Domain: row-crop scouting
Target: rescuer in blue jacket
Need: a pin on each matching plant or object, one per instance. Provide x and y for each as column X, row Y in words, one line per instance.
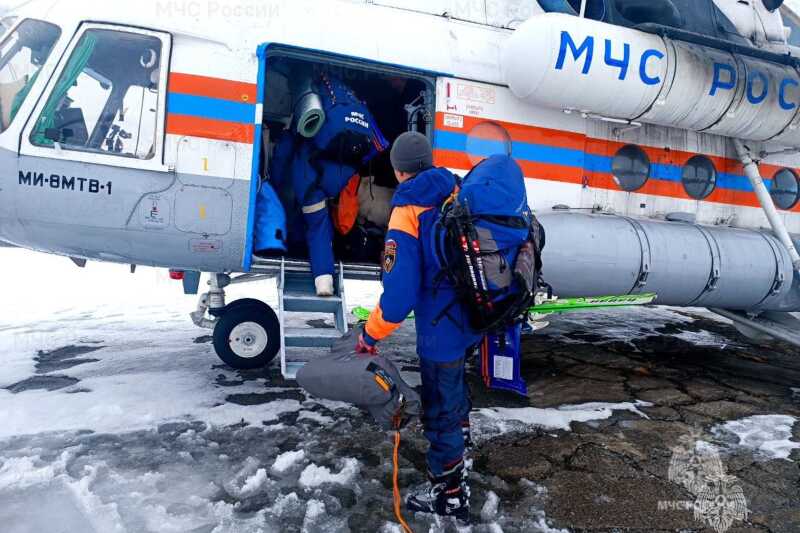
column 411, row 282
column 319, row 168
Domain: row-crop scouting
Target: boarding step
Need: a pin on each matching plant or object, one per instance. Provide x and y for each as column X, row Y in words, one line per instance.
column 300, row 302
column 297, row 294
column 310, row 337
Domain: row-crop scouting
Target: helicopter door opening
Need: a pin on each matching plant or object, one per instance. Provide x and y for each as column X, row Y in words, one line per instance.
column 398, row 100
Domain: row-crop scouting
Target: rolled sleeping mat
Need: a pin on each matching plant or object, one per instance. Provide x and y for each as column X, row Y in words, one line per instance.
column 309, row 114
column 368, row 382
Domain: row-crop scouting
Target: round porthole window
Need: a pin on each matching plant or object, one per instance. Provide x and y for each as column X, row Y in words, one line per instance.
column 699, row 177
column 785, row 190
column 487, row 139
column 631, row 168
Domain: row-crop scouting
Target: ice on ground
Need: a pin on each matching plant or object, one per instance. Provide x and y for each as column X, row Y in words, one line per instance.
column 254, row 482
column 620, row 325
column 541, row 525
column 702, row 338
column 769, row 436
column 490, row 508
column 314, row 475
column 315, row 509
column 315, row 417
column 562, row 417
column 18, row 473
column 287, row 460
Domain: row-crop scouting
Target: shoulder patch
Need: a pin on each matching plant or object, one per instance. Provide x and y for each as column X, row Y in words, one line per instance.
column 389, row 255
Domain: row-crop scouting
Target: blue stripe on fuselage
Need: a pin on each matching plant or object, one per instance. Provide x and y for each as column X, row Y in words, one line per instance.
column 211, row 108
column 538, row 153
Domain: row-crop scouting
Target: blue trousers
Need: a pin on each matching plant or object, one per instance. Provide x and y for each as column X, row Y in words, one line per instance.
column 445, row 410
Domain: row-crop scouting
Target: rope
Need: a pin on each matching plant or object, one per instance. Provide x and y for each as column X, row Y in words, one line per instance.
column 397, row 499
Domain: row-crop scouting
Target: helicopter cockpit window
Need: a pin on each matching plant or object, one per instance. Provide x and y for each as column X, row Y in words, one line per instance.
column 595, row 9
column 106, row 100
column 22, row 54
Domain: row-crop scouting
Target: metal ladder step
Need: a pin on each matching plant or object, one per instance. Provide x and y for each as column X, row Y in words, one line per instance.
column 310, row 337
column 297, row 302
column 296, row 294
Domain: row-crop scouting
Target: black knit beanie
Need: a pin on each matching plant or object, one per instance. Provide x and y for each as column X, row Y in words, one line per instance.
column 412, row 153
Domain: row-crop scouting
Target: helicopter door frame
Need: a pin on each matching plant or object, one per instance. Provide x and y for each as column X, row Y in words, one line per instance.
column 156, row 163
column 265, row 52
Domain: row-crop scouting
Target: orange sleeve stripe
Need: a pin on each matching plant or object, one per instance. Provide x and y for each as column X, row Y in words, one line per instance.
column 406, row 219
column 377, row 327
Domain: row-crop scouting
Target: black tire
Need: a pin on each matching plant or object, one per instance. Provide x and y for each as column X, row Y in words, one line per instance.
column 248, row 335
column 247, row 301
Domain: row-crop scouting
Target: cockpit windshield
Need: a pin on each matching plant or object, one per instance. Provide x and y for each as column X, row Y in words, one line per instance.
column 22, row 54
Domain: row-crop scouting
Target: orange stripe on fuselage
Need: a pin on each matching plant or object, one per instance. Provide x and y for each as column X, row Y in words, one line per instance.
column 210, row 129
column 602, row 147
column 235, row 91
column 521, row 132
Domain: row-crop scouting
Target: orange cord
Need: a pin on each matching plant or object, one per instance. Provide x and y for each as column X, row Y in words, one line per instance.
column 397, row 499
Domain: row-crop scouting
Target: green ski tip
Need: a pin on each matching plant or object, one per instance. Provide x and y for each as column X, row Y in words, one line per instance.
column 565, row 305
column 362, row 314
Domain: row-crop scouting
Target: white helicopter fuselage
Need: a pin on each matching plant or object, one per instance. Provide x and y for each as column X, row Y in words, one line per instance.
column 181, row 192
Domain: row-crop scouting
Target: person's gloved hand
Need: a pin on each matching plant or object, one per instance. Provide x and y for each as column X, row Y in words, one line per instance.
column 366, row 344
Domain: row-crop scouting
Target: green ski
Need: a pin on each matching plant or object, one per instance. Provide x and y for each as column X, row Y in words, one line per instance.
column 565, row 305
column 569, row 305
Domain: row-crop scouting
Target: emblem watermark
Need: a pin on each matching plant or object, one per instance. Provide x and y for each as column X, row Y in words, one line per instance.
column 225, row 9
column 719, row 499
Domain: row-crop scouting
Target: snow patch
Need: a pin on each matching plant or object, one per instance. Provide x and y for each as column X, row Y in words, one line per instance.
column 21, row 472
column 103, row 516
column 286, row 460
column 284, row 504
column 702, row 338
column 254, row 482
column 562, row 417
column 248, row 481
column 315, row 417
column 541, row 525
column 490, row 508
column 768, row 436
column 314, row 476
column 315, row 510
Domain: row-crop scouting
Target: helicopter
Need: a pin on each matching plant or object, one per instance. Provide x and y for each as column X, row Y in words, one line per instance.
column 659, row 140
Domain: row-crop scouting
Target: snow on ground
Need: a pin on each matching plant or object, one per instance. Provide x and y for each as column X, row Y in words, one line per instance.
column 117, row 416
column 561, row 418
column 315, row 476
column 149, row 378
column 770, row 436
column 287, row 460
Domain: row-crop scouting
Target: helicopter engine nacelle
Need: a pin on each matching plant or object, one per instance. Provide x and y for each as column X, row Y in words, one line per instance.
column 572, row 63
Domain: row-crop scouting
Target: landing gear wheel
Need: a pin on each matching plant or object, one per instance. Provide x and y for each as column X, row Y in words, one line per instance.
column 245, row 301
column 248, row 335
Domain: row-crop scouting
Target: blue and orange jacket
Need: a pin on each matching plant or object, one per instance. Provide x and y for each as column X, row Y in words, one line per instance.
column 411, row 273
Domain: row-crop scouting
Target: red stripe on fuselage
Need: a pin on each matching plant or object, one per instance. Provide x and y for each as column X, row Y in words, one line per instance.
column 235, row 91
column 602, row 147
column 210, row 129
